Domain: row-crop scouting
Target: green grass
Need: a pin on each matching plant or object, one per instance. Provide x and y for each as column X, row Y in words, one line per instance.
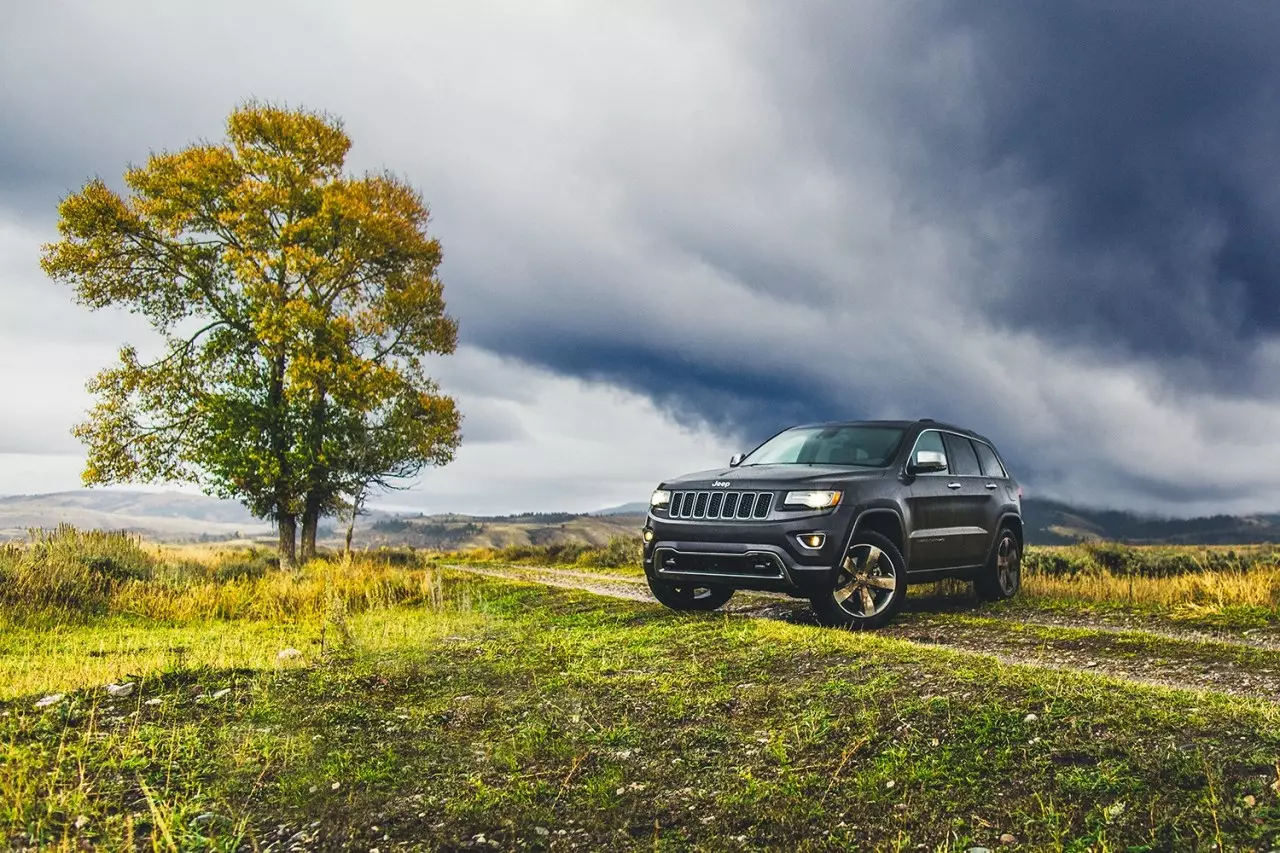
column 542, row 719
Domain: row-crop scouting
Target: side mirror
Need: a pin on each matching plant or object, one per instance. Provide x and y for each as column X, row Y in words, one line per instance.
column 927, row 462
column 736, row 459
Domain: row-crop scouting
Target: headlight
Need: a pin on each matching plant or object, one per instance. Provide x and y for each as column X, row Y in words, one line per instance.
column 813, row 500
column 661, row 497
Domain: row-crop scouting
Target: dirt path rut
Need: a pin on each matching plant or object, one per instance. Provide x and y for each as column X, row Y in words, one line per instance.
column 1185, row 660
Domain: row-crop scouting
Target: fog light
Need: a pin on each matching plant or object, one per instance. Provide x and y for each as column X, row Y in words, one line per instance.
column 648, row 535
column 812, row 540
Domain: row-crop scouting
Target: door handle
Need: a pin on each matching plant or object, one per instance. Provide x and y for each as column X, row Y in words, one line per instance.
column 991, row 486
column 953, row 485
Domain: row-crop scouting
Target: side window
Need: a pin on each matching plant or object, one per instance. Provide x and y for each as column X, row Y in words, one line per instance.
column 991, row 466
column 964, row 462
column 930, row 440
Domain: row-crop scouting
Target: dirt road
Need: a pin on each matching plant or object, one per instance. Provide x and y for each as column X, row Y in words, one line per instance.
column 1233, row 664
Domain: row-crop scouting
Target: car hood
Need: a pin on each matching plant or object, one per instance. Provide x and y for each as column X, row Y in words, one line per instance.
column 763, row 476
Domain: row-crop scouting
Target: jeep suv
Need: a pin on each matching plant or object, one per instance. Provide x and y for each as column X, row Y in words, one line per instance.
column 844, row 514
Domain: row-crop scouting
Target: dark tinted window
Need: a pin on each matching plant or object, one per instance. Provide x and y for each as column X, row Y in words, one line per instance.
column 991, row 466
column 960, row 456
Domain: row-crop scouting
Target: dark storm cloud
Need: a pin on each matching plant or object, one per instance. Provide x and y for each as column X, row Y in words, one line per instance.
column 1056, row 223
column 1148, row 136
column 1109, row 168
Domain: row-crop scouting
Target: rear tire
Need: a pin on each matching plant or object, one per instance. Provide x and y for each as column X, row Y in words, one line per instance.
column 690, row 597
column 867, row 588
column 1001, row 578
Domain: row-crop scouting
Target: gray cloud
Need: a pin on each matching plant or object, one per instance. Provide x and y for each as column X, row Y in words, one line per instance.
column 1056, row 224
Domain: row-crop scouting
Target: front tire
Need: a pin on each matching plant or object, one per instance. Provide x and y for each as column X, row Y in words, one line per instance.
column 689, row 597
column 1001, row 578
column 867, row 588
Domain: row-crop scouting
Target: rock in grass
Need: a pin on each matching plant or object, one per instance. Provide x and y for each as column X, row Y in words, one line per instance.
column 288, row 654
column 218, row 694
column 82, row 822
column 119, row 691
column 51, row 699
column 1008, row 838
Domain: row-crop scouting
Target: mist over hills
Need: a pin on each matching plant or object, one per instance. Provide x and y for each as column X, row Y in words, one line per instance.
column 179, row 516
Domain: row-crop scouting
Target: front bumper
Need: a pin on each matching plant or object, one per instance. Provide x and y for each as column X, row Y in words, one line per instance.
column 759, row 555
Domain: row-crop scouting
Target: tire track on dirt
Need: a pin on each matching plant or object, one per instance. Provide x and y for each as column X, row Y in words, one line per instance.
column 1190, row 661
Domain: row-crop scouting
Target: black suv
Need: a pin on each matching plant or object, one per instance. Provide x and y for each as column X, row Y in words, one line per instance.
column 844, row 514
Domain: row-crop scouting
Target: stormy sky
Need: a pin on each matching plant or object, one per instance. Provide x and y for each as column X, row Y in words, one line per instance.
column 671, row 229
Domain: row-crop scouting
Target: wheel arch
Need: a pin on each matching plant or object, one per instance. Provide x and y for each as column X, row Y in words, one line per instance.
column 885, row 521
column 1013, row 521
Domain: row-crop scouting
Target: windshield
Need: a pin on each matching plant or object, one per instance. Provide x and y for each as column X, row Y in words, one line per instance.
column 868, row 446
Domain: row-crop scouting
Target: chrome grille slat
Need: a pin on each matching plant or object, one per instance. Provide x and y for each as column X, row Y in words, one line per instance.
column 728, row 506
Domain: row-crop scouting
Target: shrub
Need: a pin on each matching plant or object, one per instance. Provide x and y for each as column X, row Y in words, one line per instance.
column 621, row 551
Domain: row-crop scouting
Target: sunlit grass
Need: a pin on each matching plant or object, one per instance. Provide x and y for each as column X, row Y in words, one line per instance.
column 542, row 718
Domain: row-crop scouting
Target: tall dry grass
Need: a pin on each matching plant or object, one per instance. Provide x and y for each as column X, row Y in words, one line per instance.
column 1188, row 581
column 68, row 574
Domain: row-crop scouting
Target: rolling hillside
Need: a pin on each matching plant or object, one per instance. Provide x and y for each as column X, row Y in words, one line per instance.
column 1054, row 523
column 180, row 517
column 163, row 516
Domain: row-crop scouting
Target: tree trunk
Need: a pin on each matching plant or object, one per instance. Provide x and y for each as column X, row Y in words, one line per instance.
column 310, row 523
column 288, row 540
column 356, row 500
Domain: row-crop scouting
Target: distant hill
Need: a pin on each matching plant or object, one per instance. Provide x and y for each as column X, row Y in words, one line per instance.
column 636, row 508
column 181, row 517
column 164, row 516
column 455, row 532
column 1054, row 523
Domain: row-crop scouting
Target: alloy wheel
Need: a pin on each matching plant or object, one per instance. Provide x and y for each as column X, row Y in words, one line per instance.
column 865, row 582
column 1008, row 565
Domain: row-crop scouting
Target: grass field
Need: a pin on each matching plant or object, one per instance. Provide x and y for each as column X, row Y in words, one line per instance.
column 431, row 709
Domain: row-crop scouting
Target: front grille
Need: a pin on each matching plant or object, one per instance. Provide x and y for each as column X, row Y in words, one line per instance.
column 723, row 506
column 755, row 564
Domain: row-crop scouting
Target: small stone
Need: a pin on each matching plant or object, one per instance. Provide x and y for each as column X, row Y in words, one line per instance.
column 119, row 691
column 1008, row 838
column 312, row 789
column 890, row 783
column 218, row 694
column 542, row 830
column 1250, row 800
column 288, row 654
column 900, row 807
column 336, row 785
column 154, row 701
column 933, row 741
column 620, row 791
column 978, row 850
column 478, row 838
column 82, row 822
column 1030, row 718
column 51, row 699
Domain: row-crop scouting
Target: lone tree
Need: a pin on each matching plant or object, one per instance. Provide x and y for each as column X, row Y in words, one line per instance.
column 297, row 306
